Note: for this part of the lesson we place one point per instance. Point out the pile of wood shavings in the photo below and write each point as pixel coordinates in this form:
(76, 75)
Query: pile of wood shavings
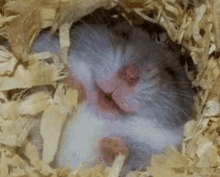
(30, 93)
(196, 29)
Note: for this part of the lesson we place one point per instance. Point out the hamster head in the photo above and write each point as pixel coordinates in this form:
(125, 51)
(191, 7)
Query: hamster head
(136, 88)
(134, 73)
(135, 96)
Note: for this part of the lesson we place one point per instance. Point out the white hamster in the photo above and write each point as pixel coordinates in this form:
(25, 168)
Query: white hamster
(136, 96)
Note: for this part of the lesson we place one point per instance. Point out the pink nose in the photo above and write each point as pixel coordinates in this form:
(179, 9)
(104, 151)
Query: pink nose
(129, 74)
(110, 147)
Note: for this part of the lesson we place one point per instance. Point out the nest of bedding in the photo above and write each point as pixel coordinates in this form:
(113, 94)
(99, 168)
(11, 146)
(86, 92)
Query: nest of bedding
(32, 93)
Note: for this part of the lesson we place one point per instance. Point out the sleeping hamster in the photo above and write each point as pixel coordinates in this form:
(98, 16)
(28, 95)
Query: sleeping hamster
(135, 96)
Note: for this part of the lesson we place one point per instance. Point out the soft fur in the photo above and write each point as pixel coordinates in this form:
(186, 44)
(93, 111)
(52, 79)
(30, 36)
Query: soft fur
(161, 95)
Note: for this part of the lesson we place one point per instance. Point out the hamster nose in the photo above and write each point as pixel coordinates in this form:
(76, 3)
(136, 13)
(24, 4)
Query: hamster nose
(130, 74)
(110, 147)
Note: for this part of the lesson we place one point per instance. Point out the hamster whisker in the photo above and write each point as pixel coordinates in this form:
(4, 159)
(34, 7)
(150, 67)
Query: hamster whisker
(180, 94)
(168, 102)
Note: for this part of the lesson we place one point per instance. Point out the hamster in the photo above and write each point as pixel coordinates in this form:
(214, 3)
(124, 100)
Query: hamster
(135, 96)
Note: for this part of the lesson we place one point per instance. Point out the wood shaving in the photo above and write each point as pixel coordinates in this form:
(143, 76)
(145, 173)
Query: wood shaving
(22, 32)
(117, 165)
(65, 42)
(32, 154)
(73, 10)
(172, 163)
(7, 62)
(53, 119)
(38, 73)
(212, 108)
(96, 171)
(34, 103)
(14, 132)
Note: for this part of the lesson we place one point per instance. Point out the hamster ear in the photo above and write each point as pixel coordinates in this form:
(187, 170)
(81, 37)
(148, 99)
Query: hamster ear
(187, 62)
(130, 32)
(123, 29)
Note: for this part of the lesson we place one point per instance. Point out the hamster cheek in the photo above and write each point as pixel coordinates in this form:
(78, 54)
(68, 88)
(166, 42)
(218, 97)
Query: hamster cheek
(82, 72)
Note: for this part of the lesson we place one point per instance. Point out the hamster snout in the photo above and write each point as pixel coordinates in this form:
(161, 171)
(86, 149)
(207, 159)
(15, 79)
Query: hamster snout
(120, 87)
(135, 97)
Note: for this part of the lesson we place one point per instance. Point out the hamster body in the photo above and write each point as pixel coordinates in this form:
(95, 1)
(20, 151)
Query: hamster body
(135, 96)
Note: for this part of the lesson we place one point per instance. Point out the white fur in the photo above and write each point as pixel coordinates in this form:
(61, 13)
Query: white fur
(80, 136)
(82, 72)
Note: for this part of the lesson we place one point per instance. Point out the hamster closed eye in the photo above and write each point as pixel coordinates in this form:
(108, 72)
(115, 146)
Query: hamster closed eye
(135, 97)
